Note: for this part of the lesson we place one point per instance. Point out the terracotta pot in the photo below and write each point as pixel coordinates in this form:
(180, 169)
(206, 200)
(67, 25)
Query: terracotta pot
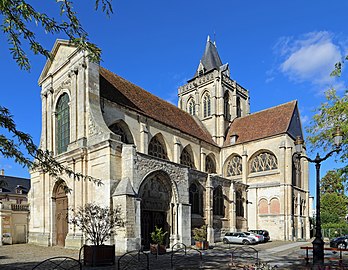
(202, 244)
(99, 255)
(158, 249)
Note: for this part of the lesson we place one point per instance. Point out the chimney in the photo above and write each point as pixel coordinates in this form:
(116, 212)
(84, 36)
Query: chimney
(2, 172)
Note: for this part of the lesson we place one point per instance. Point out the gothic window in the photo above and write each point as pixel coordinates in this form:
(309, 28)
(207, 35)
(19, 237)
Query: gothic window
(157, 149)
(227, 106)
(191, 107)
(186, 158)
(117, 129)
(263, 162)
(239, 109)
(196, 199)
(263, 206)
(239, 204)
(274, 206)
(234, 166)
(210, 165)
(218, 202)
(206, 105)
(62, 124)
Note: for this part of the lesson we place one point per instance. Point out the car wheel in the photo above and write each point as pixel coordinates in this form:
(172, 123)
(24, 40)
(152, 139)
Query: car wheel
(225, 241)
(342, 245)
(245, 242)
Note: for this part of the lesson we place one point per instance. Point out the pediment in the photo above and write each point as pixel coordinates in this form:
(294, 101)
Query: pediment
(61, 52)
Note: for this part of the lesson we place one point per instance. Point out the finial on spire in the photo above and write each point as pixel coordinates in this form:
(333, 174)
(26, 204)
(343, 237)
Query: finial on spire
(208, 39)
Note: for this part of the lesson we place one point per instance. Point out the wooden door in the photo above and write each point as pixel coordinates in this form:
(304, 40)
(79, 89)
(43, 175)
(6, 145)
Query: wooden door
(61, 216)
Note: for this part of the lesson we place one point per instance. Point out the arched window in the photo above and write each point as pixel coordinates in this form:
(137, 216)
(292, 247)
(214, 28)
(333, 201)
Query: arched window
(274, 206)
(239, 204)
(62, 124)
(191, 107)
(263, 162)
(196, 199)
(239, 108)
(210, 165)
(234, 166)
(206, 105)
(218, 202)
(186, 157)
(227, 106)
(157, 149)
(263, 206)
(118, 129)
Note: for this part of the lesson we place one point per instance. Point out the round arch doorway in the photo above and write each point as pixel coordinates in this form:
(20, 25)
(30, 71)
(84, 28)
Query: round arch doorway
(61, 214)
(156, 195)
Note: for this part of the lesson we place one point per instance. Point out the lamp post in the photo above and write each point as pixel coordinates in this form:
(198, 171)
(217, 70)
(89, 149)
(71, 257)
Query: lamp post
(318, 243)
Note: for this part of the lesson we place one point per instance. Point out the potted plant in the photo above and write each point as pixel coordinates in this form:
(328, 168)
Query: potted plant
(200, 236)
(98, 224)
(158, 236)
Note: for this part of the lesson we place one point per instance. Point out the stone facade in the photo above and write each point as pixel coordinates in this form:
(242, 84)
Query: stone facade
(177, 168)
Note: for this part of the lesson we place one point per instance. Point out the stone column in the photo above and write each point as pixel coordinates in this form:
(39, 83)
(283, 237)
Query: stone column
(245, 167)
(232, 212)
(73, 105)
(144, 138)
(81, 101)
(43, 142)
(50, 121)
(184, 223)
(209, 210)
(177, 152)
(202, 163)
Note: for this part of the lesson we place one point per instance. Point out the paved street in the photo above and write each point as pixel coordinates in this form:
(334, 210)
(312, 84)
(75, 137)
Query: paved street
(286, 255)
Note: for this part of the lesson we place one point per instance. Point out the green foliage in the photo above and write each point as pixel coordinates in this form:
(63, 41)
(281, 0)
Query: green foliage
(200, 234)
(97, 222)
(333, 207)
(20, 19)
(333, 182)
(158, 236)
(335, 229)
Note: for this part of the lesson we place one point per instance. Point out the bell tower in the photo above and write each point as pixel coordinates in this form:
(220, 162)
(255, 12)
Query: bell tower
(212, 96)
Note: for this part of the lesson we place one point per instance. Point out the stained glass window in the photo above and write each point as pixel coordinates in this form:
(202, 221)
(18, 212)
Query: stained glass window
(206, 105)
(239, 204)
(196, 199)
(218, 202)
(186, 158)
(62, 124)
(210, 165)
(156, 149)
(234, 166)
(263, 162)
(191, 107)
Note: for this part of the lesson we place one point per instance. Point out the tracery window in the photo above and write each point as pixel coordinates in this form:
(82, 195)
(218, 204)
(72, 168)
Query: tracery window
(186, 158)
(239, 204)
(210, 165)
(62, 124)
(117, 129)
(239, 109)
(196, 199)
(191, 107)
(263, 162)
(206, 105)
(218, 202)
(157, 149)
(234, 166)
(227, 106)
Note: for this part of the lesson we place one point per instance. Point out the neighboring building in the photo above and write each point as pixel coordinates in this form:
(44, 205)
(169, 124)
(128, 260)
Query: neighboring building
(207, 162)
(14, 209)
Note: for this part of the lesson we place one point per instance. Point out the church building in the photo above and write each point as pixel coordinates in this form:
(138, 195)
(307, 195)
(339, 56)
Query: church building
(208, 161)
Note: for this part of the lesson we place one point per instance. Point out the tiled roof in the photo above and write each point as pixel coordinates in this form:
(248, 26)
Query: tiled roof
(13, 183)
(125, 93)
(262, 124)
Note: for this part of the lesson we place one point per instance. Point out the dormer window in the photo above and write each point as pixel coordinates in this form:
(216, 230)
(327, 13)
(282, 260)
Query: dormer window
(233, 138)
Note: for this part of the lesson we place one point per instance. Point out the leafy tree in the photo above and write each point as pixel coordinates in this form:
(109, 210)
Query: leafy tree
(333, 207)
(20, 21)
(97, 222)
(333, 182)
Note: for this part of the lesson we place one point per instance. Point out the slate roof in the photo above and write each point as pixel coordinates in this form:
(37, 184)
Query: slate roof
(13, 182)
(125, 93)
(263, 124)
(210, 59)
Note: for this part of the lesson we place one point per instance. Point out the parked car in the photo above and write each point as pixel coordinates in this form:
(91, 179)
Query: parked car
(238, 238)
(258, 237)
(265, 234)
(339, 242)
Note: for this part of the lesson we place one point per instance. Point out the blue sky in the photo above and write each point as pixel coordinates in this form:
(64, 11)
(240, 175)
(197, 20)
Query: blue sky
(279, 50)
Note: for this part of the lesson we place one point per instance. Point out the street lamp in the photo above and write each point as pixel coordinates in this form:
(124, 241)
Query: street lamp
(318, 243)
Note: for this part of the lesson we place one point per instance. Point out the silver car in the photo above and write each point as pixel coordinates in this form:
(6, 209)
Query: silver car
(238, 238)
(258, 238)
